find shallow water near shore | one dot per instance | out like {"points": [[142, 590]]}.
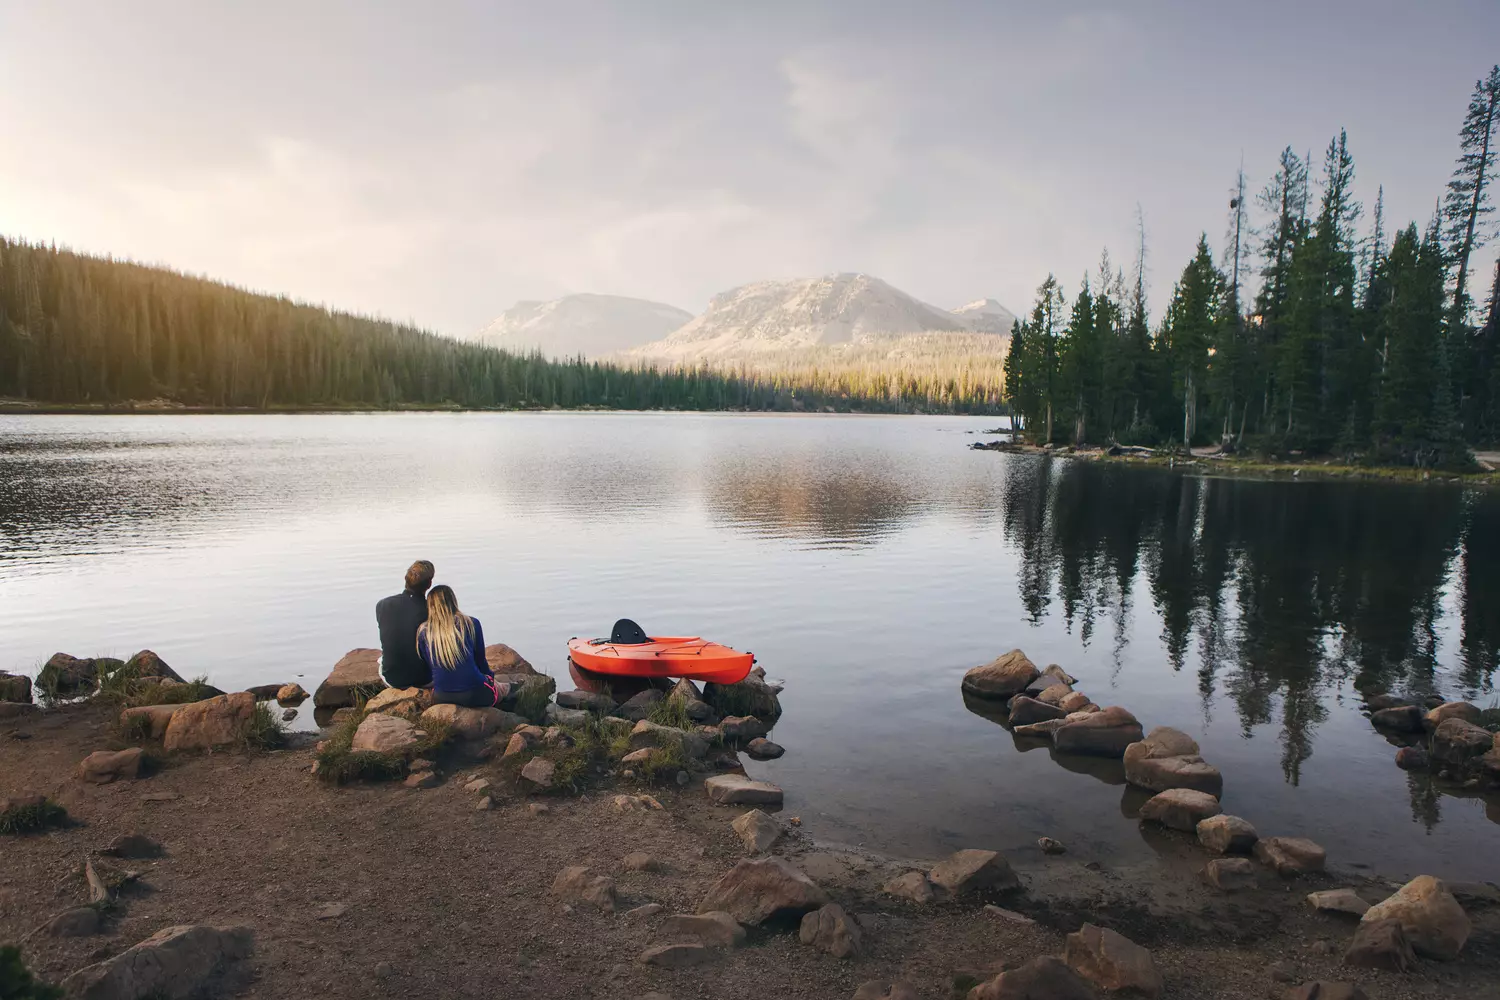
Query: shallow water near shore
{"points": [[867, 561]]}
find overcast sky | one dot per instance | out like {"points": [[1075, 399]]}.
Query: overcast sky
{"points": [[439, 161]]}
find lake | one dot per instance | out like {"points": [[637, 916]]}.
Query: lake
{"points": [[867, 561]]}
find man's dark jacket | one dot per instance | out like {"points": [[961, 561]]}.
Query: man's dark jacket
{"points": [[398, 617]]}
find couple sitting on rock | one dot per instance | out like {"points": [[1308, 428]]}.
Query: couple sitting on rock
{"points": [[425, 641]]}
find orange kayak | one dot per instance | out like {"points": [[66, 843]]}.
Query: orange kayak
{"points": [[664, 656]]}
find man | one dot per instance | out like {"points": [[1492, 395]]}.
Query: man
{"points": [[399, 617]]}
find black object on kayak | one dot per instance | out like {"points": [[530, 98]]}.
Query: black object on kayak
{"points": [[628, 633]]}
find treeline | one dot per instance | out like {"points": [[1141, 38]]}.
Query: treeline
{"points": [[80, 329], [1365, 346]]}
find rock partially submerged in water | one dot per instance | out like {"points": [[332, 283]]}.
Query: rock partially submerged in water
{"points": [[1026, 711], [1003, 677], [1105, 733], [356, 675], [1291, 855], [1401, 719], [968, 871], [751, 696], [1168, 758], [1458, 742], [1453, 710], [1227, 834], [15, 688], [68, 675], [1180, 809]]}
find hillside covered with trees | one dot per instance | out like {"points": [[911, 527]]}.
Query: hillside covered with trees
{"points": [[79, 329], [1362, 345]]}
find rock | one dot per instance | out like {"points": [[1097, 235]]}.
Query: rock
{"points": [[1039, 730], [970, 871], [1230, 874], [1376, 702], [639, 706], [1338, 901], [1026, 711], [1056, 694], [15, 688], [1044, 978], [736, 789], [1455, 741], [147, 720], [913, 886], [1111, 961], [422, 779], [1281, 972], [832, 930], [103, 766], [331, 911], [586, 701], [1411, 759], [716, 929], [216, 722], [1105, 733], [573, 718], [642, 912], [1453, 710], [1324, 990], [1074, 701], [465, 723], [1290, 855], [676, 956], [1002, 677], [640, 861], [539, 771], [640, 756], [1168, 758], [476, 785], [409, 702], [1043, 684], [880, 989], [1010, 916], [78, 921], [17, 710], [264, 692], [146, 665], [751, 696], [1225, 834], [287, 715], [648, 734], [380, 733], [742, 727], [763, 749], [172, 964], [1053, 670], [67, 675], [757, 830], [1381, 944], [1433, 920], [1400, 719], [579, 885], [697, 709], [504, 660], [1180, 809], [755, 891], [1050, 846], [291, 694], [485, 804], [340, 715], [636, 803], [356, 675], [538, 808], [132, 846]]}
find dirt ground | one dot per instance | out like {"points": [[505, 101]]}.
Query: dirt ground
{"points": [[443, 900]]}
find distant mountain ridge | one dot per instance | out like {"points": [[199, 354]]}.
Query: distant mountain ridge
{"points": [[587, 324]]}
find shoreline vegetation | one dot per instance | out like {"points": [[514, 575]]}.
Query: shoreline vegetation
{"points": [[183, 844]]}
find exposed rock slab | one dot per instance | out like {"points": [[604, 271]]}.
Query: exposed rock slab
{"points": [[356, 674], [150, 720], [216, 722], [736, 789], [380, 733], [1345, 901], [972, 870], [1291, 855], [172, 964], [466, 723]]}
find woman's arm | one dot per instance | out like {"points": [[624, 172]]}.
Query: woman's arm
{"points": [[479, 658]]}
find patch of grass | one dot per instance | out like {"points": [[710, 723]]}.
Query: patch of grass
{"points": [[136, 729], [531, 702], [618, 746], [339, 764], [196, 689], [30, 819], [671, 712], [1489, 717], [265, 730], [663, 763], [17, 982]]}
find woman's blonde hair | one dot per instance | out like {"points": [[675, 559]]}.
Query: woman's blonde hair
{"points": [[449, 631]]}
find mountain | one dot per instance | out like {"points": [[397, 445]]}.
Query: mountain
{"points": [[591, 325], [831, 316]]}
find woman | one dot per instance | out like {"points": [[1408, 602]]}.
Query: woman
{"points": [[452, 645]]}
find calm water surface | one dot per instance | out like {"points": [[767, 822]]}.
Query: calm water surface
{"points": [[867, 561]]}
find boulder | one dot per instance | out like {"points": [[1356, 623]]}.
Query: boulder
{"points": [[742, 727], [572, 718], [78, 921], [1338, 901], [1433, 920], [465, 723], [737, 789], [515, 684], [380, 733], [422, 779], [1412, 759], [1400, 719], [881, 989], [1453, 710], [1180, 809], [1290, 855], [646, 733], [1112, 961], [1160, 774], [1039, 730], [1053, 670], [830, 929], [291, 694], [521, 741], [356, 675], [640, 756], [579, 885], [1227, 834], [586, 701], [15, 688], [67, 675], [539, 771], [1230, 874], [133, 846], [1074, 701], [1002, 677], [103, 766], [969, 871], [1026, 711], [675, 956], [504, 660], [1381, 944], [1324, 990], [764, 749], [640, 861], [215, 722], [757, 830], [409, 702], [1044, 978], [147, 720], [1457, 742], [639, 706], [1054, 694], [751, 696], [1044, 683], [912, 886], [264, 692], [172, 964], [1051, 846], [715, 929], [146, 664], [755, 891], [1105, 733]]}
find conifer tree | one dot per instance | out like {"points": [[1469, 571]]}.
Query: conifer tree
{"points": [[1467, 202], [1190, 329]]}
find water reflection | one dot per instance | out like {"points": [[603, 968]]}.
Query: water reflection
{"points": [[832, 505]]}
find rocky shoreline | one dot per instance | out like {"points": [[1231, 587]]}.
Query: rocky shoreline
{"points": [[609, 843]]}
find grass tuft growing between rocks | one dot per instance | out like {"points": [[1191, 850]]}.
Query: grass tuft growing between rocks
{"points": [[196, 689], [17, 982], [670, 712], [339, 764], [663, 763], [265, 730], [19, 820], [531, 702], [572, 759]]}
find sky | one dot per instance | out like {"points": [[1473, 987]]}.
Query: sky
{"points": [[438, 162]]}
